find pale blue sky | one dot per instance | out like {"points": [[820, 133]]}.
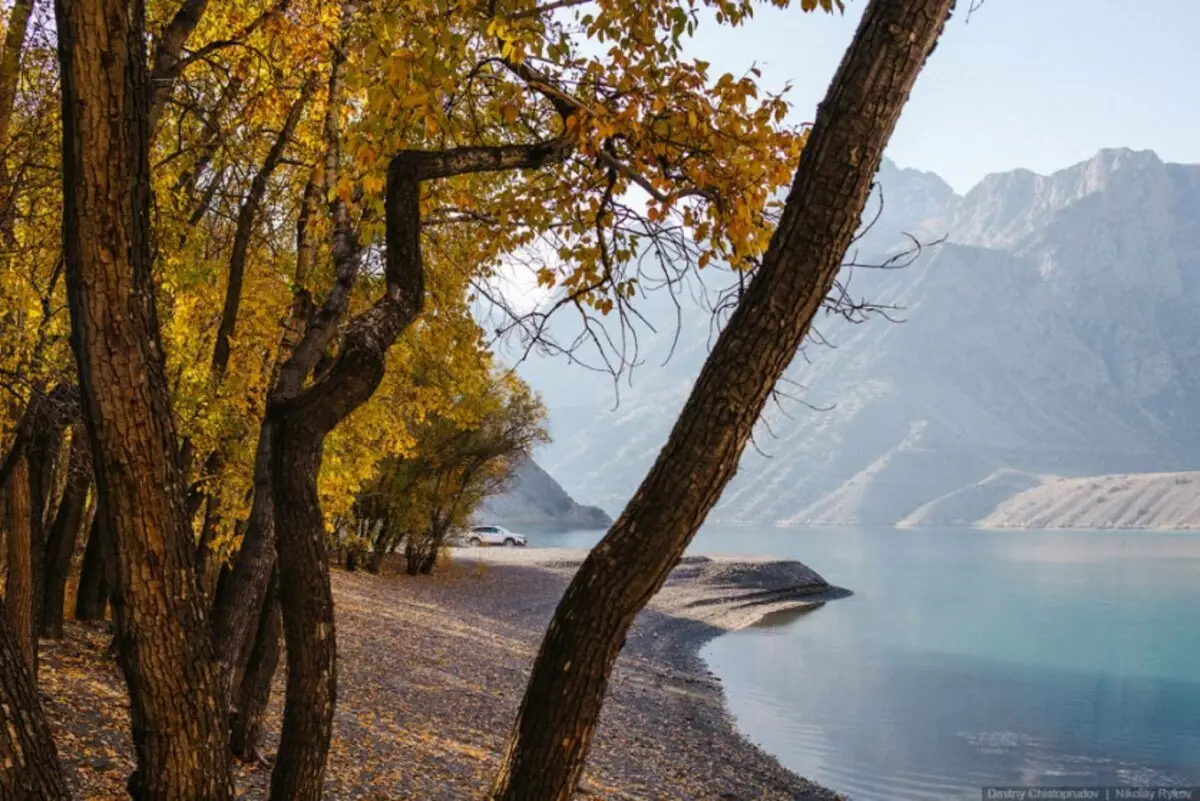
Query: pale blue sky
{"points": [[1039, 84]]}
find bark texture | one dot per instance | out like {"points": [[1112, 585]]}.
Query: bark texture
{"points": [[178, 720], [29, 766], [255, 691], [18, 589], [43, 456], [238, 599], [550, 741], [64, 532]]}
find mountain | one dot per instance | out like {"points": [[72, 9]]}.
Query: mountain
{"points": [[536, 499], [1047, 328], [1144, 500]]}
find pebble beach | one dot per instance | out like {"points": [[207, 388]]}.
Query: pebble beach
{"points": [[431, 672]]}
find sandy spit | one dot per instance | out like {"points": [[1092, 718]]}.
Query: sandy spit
{"points": [[431, 672], [1168, 501]]}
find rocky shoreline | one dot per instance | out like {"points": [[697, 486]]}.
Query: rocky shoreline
{"points": [[431, 671]]}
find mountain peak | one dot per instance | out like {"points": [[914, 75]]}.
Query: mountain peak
{"points": [[1005, 208]]}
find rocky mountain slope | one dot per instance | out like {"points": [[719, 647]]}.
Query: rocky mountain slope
{"points": [[536, 499], [1143, 500], [1053, 331]]}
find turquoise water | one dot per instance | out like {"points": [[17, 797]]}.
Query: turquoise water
{"points": [[969, 658]]}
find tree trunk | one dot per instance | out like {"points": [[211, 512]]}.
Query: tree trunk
{"points": [[414, 557], [255, 691], [98, 575], [554, 727], [307, 603], [10, 62], [64, 532], [384, 544], [206, 572], [239, 597], [18, 590], [10, 74], [29, 766], [40, 457], [177, 714], [37, 455], [167, 52], [304, 420]]}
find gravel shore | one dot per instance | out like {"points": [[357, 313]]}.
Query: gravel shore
{"points": [[431, 671]]}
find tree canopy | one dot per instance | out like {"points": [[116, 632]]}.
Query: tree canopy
{"points": [[242, 247]]}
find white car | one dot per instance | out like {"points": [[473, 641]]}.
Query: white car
{"points": [[477, 536]]}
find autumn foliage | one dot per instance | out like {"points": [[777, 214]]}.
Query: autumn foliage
{"points": [[274, 253]]}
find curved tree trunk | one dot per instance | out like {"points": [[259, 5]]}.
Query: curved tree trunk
{"points": [[550, 741], [307, 603], [18, 589], [302, 425], [177, 715], [64, 532], [255, 691], [29, 766]]}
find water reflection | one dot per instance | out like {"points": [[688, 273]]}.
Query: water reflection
{"points": [[971, 658]]}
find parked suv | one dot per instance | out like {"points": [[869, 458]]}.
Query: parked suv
{"points": [[478, 536]]}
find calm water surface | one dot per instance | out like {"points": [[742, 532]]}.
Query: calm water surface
{"points": [[970, 658]]}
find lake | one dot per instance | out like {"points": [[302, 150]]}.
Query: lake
{"points": [[972, 658]]}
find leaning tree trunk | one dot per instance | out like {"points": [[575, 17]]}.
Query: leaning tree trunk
{"points": [[43, 454], [554, 727], [64, 531], [29, 766], [98, 574], [255, 690], [238, 600], [178, 719], [18, 590]]}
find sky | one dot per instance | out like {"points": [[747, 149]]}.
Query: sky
{"points": [[1039, 84]]}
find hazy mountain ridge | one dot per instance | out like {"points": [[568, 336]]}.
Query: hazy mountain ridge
{"points": [[1052, 333], [536, 499], [1143, 500]]}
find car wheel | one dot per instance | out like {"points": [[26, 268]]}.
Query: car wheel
{"points": [[475, 542], [510, 543]]}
